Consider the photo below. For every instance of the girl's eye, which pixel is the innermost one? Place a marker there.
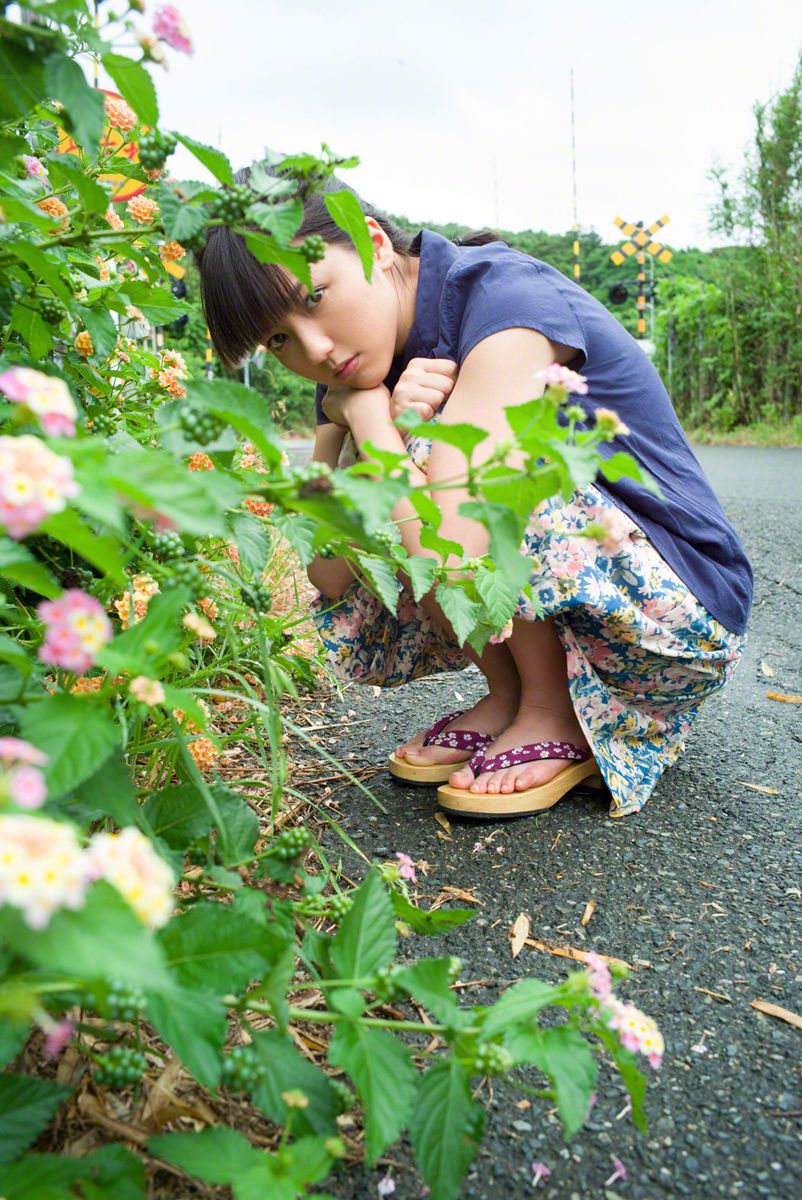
(314, 298)
(275, 346)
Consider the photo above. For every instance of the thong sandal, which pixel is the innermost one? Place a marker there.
(438, 735)
(497, 805)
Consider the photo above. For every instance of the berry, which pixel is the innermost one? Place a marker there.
(345, 1097)
(106, 422)
(454, 968)
(242, 1069)
(168, 545)
(120, 1066)
(314, 248)
(186, 573)
(291, 842)
(52, 310)
(155, 147)
(230, 203)
(125, 1003)
(339, 905)
(492, 1059)
(200, 425)
(386, 989)
(257, 596)
(388, 536)
(327, 551)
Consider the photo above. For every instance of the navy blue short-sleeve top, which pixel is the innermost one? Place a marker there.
(467, 293)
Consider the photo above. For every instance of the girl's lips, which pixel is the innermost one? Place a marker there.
(348, 368)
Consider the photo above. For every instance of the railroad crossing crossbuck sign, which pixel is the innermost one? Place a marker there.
(639, 242)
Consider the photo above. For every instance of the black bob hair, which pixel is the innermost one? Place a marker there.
(242, 297)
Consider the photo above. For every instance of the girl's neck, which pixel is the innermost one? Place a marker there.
(407, 293)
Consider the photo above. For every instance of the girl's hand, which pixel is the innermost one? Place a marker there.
(342, 405)
(425, 384)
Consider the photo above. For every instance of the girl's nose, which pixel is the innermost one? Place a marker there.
(316, 345)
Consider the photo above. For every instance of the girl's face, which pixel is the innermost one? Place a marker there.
(347, 331)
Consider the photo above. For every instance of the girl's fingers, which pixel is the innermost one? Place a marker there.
(441, 366)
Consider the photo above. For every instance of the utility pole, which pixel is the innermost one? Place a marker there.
(577, 269)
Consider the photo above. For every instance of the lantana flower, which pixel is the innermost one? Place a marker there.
(505, 632)
(144, 587)
(128, 861)
(146, 691)
(34, 483)
(406, 867)
(76, 630)
(119, 114)
(200, 462)
(21, 779)
(204, 752)
(168, 379)
(34, 167)
(171, 251)
(199, 625)
(83, 343)
(56, 209)
(609, 422)
(170, 27)
(558, 376)
(113, 218)
(142, 209)
(44, 397)
(599, 977)
(636, 1031)
(42, 867)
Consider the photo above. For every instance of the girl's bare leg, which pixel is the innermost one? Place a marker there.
(545, 711)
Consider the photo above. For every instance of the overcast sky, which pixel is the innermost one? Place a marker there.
(461, 111)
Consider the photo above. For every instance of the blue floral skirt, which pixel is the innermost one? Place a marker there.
(642, 653)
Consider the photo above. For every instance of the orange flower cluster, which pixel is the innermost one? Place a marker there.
(103, 269)
(200, 462)
(171, 251)
(84, 685)
(168, 379)
(144, 587)
(258, 506)
(204, 752)
(134, 313)
(119, 114)
(83, 343)
(113, 218)
(142, 209)
(186, 723)
(207, 604)
(251, 460)
(56, 209)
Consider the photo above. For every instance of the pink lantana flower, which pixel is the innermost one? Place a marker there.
(407, 867)
(170, 27)
(44, 397)
(620, 1172)
(34, 482)
(558, 376)
(539, 1171)
(76, 630)
(21, 779)
(57, 1038)
(505, 632)
(147, 691)
(35, 167)
(599, 978)
(636, 1031)
(385, 1186)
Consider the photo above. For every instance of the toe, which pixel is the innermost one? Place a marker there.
(462, 778)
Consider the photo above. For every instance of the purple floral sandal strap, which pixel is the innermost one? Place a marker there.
(456, 739)
(533, 752)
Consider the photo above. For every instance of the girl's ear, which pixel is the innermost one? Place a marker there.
(382, 246)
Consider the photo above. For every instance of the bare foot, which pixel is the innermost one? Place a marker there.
(530, 725)
(491, 715)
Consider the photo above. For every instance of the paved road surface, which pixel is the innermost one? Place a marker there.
(703, 888)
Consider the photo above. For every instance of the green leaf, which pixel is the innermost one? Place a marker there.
(100, 324)
(144, 644)
(620, 465)
(153, 478)
(373, 499)
(181, 220)
(383, 578)
(112, 1171)
(27, 1106)
(110, 791)
(244, 409)
(19, 565)
(286, 1069)
(428, 982)
(426, 508)
(68, 169)
(20, 211)
(281, 220)
(158, 305)
(252, 540)
(194, 1025)
(462, 435)
(521, 1003)
(300, 533)
(442, 546)
(566, 1058)
(366, 938)
(75, 734)
(135, 85)
(179, 815)
(421, 572)
(500, 596)
(45, 268)
(506, 533)
(99, 549)
(275, 985)
(218, 1155)
(460, 610)
(385, 1078)
(22, 80)
(442, 920)
(213, 160)
(346, 211)
(633, 1078)
(446, 1128)
(214, 949)
(65, 81)
(240, 830)
(44, 1176)
(30, 326)
(103, 939)
(13, 1036)
(266, 249)
(14, 653)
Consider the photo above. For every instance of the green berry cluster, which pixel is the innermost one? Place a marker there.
(339, 905)
(185, 573)
(257, 596)
(314, 248)
(199, 424)
(52, 310)
(313, 470)
(291, 842)
(167, 545)
(106, 422)
(454, 968)
(492, 1059)
(345, 1097)
(242, 1069)
(386, 988)
(388, 536)
(120, 1066)
(155, 147)
(230, 203)
(125, 1003)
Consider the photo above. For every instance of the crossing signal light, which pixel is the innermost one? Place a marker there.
(618, 294)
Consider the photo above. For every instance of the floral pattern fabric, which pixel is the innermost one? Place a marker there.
(642, 653)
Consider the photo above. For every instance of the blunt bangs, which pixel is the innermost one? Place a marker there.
(242, 297)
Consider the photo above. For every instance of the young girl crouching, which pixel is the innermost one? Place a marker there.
(604, 671)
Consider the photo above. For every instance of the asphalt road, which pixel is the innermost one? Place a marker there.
(701, 891)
